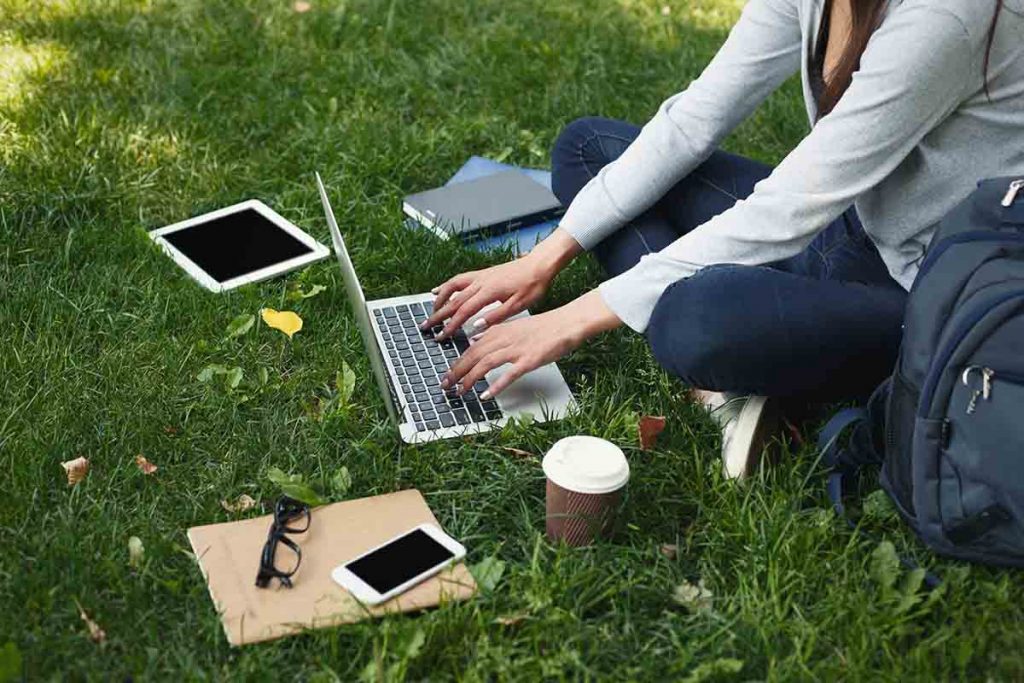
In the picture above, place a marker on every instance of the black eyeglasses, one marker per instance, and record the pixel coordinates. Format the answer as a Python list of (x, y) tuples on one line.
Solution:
[(286, 511)]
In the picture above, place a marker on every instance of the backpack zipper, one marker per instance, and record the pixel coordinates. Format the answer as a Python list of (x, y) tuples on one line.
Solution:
[(988, 376), (941, 359), (939, 248), (1012, 191)]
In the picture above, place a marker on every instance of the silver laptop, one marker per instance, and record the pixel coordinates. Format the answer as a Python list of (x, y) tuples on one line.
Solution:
[(408, 365)]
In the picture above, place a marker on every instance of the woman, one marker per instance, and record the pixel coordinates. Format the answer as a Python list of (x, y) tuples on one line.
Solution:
[(761, 282)]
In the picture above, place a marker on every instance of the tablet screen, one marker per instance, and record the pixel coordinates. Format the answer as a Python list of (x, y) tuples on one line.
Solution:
[(236, 244)]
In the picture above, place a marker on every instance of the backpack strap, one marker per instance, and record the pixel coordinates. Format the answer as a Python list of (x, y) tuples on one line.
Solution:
[(840, 461), (860, 451)]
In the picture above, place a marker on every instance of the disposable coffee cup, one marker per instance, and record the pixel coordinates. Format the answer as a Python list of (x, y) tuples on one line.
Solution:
[(585, 479)]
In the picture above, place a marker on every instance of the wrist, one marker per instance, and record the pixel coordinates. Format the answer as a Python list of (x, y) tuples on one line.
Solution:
[(589, 316), (553, 253)]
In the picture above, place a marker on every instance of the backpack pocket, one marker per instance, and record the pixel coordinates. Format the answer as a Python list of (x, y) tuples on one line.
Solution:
[(897, 473)]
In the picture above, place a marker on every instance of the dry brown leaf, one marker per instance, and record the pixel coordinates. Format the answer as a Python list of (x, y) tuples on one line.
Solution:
[(145, 466), (241, 504), (518, 451), (650, 427), (669, 550), (76, 469), (301, 6), (96, 634), (170, 430), (511, 619)]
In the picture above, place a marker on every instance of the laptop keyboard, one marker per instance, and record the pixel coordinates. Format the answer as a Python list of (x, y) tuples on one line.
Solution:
[(420, 361)]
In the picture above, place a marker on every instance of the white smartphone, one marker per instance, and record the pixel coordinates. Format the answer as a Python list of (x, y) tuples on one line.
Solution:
[(397, 565)]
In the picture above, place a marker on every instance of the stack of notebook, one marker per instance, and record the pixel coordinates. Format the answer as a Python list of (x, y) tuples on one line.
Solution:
[(489, 205)]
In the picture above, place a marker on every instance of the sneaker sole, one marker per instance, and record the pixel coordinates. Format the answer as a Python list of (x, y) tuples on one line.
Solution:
[(754, 427)]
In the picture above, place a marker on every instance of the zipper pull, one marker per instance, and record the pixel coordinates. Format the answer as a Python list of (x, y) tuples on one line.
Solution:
[(1012, 191), (986, 382)]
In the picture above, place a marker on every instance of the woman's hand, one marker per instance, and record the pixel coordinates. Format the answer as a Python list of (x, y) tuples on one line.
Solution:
[(528, 343), (517, 285)]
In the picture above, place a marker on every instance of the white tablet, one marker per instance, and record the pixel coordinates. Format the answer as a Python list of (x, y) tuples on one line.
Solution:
[(243, 243)]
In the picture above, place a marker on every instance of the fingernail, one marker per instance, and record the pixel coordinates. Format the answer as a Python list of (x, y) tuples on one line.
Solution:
[(486, 395), (478, 323), (435, 290), (444, 384), (439, 336)]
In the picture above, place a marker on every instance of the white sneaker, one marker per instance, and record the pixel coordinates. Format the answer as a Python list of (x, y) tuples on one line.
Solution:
[(748, 422)]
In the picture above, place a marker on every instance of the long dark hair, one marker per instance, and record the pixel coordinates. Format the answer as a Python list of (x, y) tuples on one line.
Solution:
[(866, 16)]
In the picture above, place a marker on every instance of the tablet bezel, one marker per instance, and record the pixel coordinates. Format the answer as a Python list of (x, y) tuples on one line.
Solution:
[(317, 250)]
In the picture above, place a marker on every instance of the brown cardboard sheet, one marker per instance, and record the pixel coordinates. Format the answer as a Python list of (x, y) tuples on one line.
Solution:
[(229, 555)]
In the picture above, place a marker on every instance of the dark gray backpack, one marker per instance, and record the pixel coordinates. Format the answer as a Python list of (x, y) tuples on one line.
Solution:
[(947, 427)]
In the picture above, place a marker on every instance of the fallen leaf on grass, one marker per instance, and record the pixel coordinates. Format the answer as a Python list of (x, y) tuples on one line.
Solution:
[(96, 634), (650, 427), (170, 430), (136, 552), (240, 325), (694, 597), (301, 6), (518, 451), (345, 382), (145, 466), (488, 573), (288, 322), (241, 504), (669, 550), (76, 469), (512, 619)]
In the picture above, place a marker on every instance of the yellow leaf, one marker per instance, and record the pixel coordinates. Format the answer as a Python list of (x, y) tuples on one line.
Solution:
[(76, 469), (145, 466), (288, 322)]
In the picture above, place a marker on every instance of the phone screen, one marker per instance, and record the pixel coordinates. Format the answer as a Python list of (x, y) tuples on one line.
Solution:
[(402, 559)]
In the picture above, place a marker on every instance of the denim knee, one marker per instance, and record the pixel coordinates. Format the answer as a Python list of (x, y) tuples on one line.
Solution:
[(566, 155), (688, 334)]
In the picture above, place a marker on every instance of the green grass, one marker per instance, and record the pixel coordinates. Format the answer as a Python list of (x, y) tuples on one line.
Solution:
[(121, 116)]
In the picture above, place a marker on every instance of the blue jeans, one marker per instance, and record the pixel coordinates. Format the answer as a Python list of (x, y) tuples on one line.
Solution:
[(823, 325)]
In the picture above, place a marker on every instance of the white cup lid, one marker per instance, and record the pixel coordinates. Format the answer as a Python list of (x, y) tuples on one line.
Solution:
[(586, 464)]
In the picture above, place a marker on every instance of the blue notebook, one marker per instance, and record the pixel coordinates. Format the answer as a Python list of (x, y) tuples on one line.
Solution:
[(525, 238)]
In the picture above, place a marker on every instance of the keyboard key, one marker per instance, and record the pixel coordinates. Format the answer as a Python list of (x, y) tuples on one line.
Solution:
[(475, 412), (416, 309), (480, 387), (447, 420), (442, 408), (425, 365), (493, 414), (462, 417), (420, 427), (409, 362), (421, 397), (489, 405), (455, 402), (438, 399), (433, 424)]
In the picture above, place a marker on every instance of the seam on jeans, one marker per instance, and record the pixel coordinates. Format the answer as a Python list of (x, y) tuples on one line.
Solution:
[(596, 136), (642, 239), (714, 186)]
